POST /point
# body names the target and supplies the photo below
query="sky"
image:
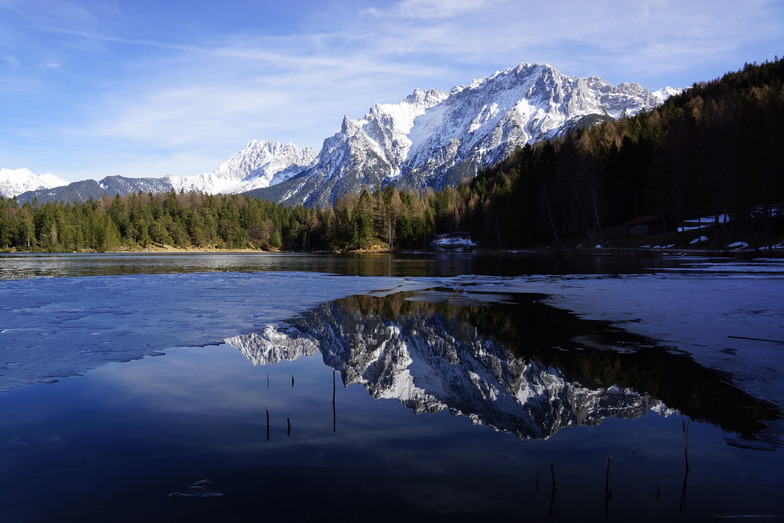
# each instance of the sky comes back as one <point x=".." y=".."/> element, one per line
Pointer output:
<point x="92" y="88"/>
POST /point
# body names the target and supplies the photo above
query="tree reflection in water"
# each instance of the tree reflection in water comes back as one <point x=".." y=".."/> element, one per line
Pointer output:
<point x="507" y="361"/>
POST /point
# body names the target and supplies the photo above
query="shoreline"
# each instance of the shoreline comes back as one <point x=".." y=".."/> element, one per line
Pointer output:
<point x="562" y="252"/>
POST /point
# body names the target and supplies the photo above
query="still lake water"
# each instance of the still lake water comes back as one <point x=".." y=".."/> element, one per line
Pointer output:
<point x="407" y="388"/>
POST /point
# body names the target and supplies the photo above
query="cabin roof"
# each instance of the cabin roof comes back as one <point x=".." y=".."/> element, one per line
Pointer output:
<point x="642" y="220"/>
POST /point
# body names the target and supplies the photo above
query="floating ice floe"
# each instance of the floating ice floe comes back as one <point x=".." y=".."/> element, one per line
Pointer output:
<point x="738" y="245"/>
<point x="199" y="489"/>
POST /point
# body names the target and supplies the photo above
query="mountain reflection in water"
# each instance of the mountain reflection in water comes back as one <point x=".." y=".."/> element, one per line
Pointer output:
<point x="506" y="361"/>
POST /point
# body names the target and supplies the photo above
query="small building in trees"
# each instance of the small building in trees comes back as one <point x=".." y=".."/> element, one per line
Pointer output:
<point x="646" y="225"/>
<point x="454" y="242"/>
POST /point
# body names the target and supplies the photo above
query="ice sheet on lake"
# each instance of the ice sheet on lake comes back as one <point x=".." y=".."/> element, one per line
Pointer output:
<point x="54" y="327"/>
<point x="65" y="326"/>
<point x="729" y="321"/>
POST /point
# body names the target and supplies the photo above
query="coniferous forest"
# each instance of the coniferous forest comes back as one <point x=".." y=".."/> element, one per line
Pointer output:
<point x="716" y="149"/>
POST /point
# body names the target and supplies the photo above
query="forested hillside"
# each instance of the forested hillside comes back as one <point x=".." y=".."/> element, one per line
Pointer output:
<point x="716" y="149"/>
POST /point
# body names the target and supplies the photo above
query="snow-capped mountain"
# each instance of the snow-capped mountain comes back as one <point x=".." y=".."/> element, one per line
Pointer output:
<point x="17" y="181"/>
<point x="435" y="139"/>
<point x="259" y="164"/>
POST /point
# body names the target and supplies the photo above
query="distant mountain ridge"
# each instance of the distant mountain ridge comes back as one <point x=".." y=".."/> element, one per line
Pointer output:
<point x="258" y="164"/>
<point x="429" y="139"/>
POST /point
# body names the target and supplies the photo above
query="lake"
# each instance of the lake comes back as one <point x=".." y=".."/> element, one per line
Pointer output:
<point x="241" y="387"/>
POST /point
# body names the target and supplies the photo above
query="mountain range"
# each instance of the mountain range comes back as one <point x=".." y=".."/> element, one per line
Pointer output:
<point x="429" y="139"/>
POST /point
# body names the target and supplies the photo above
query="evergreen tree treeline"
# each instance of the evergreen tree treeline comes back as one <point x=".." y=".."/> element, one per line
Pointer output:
<point x="195" y="220"/>
<point x="191" y="220"/>
<point x="717" y="148"/>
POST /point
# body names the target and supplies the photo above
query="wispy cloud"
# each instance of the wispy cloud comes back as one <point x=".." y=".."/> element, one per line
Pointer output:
<point x="182" y="95"/>
<point x="435" y="9"/>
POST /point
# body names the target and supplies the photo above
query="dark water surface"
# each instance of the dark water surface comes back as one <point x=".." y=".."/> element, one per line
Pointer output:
<point x="409" y="265"/>
<point x="416" y="405"/>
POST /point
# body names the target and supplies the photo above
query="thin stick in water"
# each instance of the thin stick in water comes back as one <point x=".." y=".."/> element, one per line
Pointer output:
<point x="267" y="411"/>
<point x="537" y="480"/>
<point x="686" y="443"/>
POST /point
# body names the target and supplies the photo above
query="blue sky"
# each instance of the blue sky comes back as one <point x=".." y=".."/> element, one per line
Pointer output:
<point x="147" y="88"/>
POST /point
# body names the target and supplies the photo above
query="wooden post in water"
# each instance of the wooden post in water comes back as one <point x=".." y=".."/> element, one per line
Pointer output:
<point x="552" y="476"/>
<point x="288" y="423"/>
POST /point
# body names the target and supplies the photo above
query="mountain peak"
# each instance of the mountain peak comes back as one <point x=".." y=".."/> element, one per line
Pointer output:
<point x="259" y="164"/>
<point x="17" y="181"/>
<point x="267" y="155"/>
<point x="426" y="98"/>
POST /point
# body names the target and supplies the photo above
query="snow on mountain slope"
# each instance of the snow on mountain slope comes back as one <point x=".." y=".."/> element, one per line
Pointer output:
<point x="364" y="152"/>
<point x="261" y="163"/>
<point x="435" y="139"/>
<point x="666" y="92"/>
<point x="16" y="181"/>
<point x="481" y="123"/>
<point x="258" y="164"/>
